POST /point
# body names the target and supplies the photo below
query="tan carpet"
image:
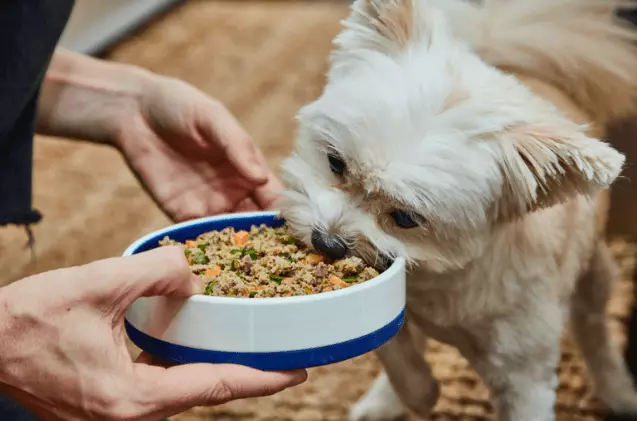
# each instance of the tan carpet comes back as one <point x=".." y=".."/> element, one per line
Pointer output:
<point x="263" y="59"/>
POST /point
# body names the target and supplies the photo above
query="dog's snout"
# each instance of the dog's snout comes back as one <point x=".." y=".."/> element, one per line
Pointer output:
<point x="332" y="247"/>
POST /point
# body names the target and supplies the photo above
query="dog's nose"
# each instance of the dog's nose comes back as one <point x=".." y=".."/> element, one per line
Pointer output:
<point x="333" y="248"/>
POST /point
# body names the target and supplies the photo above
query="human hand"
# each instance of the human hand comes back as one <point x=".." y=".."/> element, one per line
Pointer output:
<point x="191" y="153"/>
<point x="185" y="147"/>
<point x="64" y="355"/>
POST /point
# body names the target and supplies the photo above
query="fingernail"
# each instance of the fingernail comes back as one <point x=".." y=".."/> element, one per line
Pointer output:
<point x="300" y="377"/>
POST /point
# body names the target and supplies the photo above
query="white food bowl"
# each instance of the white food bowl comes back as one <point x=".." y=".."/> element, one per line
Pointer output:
<point x="265" y="333"/>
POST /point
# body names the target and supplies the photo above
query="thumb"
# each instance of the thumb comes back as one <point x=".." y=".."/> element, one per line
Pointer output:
<point x="208" y="384"/>
<point x="163" y="271"/>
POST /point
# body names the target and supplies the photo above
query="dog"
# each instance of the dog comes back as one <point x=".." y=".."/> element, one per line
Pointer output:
<point x="467" y="138"/>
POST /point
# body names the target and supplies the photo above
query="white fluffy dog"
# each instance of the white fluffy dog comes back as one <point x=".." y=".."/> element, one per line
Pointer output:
<point x="464" y="136"/>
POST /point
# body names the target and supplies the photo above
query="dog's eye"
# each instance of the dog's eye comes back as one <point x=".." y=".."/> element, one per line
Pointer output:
<point x="404" y="219"/>
<point x="337" y="165"/>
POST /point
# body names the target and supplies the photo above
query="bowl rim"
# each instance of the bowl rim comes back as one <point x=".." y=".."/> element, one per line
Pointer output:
<point x="397" y="266"/>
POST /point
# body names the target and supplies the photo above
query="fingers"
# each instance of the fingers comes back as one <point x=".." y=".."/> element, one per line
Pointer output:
<point x="246" y="205"/>
<point x="266" y="196"/>
<point x="162" y="271"/>
<point x="221" y="127"/>
<point x="207" y="384"/>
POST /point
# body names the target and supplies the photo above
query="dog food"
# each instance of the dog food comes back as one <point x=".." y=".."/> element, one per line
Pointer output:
<point x="267" y="262"/>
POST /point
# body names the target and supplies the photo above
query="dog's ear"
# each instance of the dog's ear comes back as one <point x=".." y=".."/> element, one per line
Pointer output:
<point x="391" y="26"/>
<point x="392" y="19"/>
<point x="545" y="166"/>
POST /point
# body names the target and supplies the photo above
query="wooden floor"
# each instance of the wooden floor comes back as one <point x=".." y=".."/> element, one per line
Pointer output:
<point x="264" y="59"/>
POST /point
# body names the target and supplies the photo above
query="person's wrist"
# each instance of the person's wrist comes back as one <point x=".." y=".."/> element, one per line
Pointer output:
<point x="5" y="313"/>
<point x="120" y="88"/>
<point x="138" y="82"/>
<point x="6" y="335"/>
<point x="90" y="99"/>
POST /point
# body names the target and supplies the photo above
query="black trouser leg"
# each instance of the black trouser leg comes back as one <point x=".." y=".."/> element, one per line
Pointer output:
<point x="10" y="410"/>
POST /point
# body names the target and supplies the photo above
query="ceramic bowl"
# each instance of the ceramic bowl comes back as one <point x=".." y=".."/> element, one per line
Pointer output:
<point x="265" y="333"/>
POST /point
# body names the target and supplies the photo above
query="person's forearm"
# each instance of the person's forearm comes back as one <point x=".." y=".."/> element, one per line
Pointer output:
<point x="86" y="98"/>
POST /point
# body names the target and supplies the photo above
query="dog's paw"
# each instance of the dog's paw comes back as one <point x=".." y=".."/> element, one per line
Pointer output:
<point x="371" y="409"/>
<point x="380" y="403"/>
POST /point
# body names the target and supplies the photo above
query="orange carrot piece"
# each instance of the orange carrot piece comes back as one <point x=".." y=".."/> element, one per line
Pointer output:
<point x="241" y="237"/>
<point x="191" y="244"/>
<point x="314" y="258"/>
<point x="215" y="271"/>
<point x="335" y="280"/>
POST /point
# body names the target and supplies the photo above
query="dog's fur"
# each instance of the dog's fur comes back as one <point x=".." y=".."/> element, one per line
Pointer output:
<point x="481" y="119"/>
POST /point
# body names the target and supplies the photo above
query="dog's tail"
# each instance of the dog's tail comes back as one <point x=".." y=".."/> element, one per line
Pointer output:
<point x="579" y="46"/>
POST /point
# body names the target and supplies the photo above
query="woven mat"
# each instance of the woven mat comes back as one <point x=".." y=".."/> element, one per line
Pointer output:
<point x="264" y="59"/>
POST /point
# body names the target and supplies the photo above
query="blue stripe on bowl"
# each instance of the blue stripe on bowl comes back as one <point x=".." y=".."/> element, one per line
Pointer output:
<point x="269" y="361"/>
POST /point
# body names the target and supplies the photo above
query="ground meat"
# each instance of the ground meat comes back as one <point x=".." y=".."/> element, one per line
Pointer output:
<point x="351" y="266"/>
<point x="246" y="265"/>
<point x="321" y="270"/>
<point x="266" y="262"/>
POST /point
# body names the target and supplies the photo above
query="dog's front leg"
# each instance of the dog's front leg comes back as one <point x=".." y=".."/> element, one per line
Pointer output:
<point x="406" y="383"/>
<point x="519" y="365"/>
